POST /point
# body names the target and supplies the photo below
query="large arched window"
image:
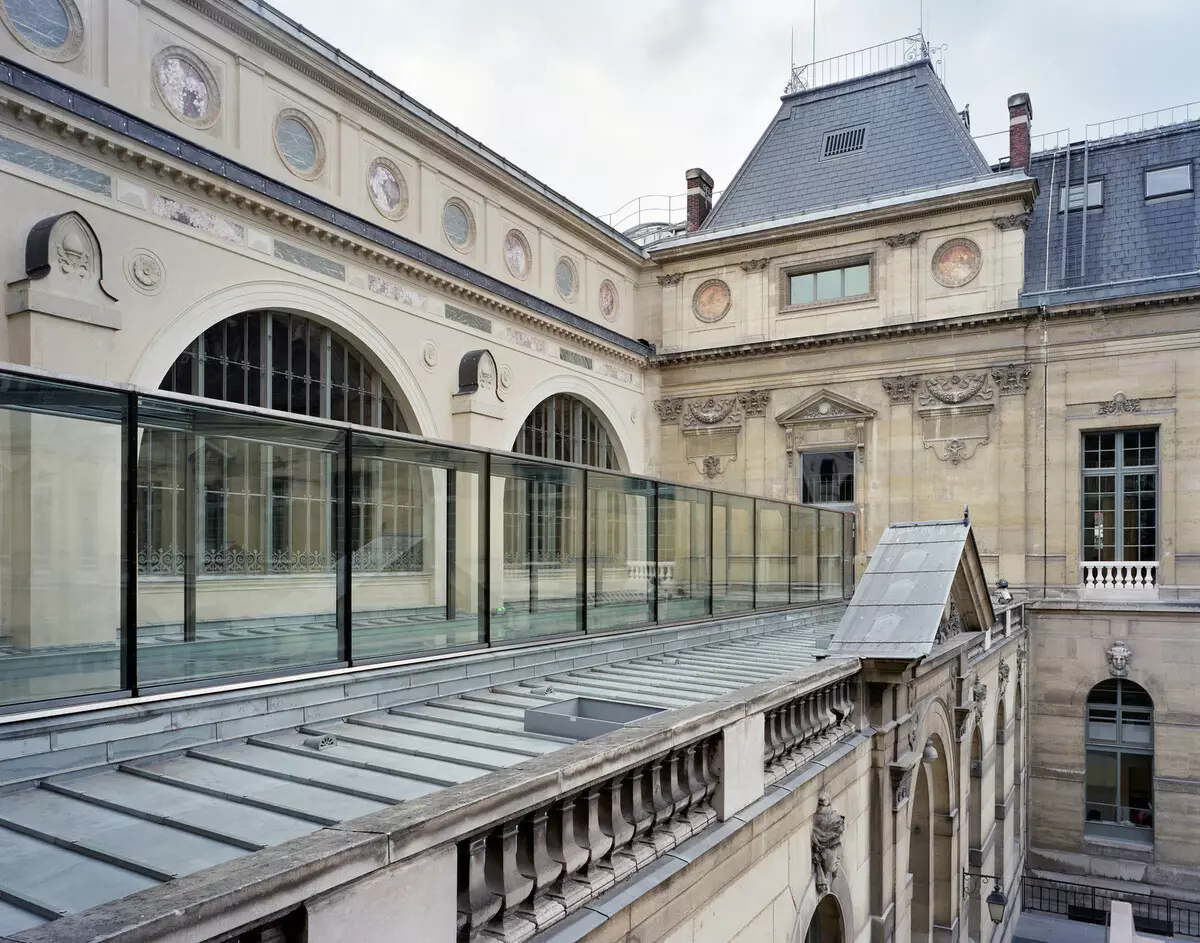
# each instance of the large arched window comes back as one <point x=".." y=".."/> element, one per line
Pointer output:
<point x="1119" y="782"/>
<point x="542" y="518"/>
<point x="248" y="507"/>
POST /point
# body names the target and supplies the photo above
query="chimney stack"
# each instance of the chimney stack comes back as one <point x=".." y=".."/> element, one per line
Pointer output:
<point x="1020" y="116"/>
<point x="699" y="198"/>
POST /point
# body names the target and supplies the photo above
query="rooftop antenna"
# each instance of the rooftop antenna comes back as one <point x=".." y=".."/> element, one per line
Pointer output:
<point x="814" y="56"/>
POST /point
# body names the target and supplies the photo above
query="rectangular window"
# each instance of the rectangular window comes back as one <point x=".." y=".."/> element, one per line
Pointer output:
<point x="1120" y="496"/>
<point x="1167" y="181"/>
<point x="833" y="284"/>
<point x="827" y="478"/>
<point x="1095" y="196"/>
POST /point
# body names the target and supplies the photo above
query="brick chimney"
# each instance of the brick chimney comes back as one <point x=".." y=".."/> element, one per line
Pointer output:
<point x="1020" y="116"/>
<point x="699" y="198"/>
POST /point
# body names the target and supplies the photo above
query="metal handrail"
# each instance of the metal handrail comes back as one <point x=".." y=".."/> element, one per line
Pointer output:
<point x="1086" y="903"/>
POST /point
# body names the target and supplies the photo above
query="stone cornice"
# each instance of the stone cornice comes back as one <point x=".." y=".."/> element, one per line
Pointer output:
<point x="248" y="26"/>
<point x="89" y="139"/>
<point x="918" y="211"/>
<point x="889" y="332"/>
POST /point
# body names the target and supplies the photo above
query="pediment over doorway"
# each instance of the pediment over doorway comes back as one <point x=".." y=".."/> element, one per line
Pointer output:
<point x="925" y="584"/>
<point x="823" y="406"/>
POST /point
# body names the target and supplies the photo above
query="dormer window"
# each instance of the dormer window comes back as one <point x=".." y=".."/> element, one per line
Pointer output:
<point x="846" y="141"/>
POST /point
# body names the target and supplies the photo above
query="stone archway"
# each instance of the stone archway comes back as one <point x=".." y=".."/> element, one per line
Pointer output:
<point x="920" y="861"/>
<point x="975" y="829"/>
<point x="827" y="924"/>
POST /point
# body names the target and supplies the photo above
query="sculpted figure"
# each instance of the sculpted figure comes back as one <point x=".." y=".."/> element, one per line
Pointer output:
<point x="827" y="829"/>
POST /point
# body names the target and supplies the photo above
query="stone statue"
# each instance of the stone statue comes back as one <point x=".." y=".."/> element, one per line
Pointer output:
<point x="827" y="829"/>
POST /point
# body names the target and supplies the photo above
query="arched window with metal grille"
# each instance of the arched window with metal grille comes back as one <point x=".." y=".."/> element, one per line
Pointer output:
<point x="252" y="507"/>
<point x="1119" y="781"/>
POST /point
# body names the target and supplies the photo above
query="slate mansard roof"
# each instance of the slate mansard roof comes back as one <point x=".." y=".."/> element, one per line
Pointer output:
<point x="913" y="139"/>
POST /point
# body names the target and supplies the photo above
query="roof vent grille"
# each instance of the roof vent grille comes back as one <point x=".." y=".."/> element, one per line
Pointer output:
<point x="838" y="143"/>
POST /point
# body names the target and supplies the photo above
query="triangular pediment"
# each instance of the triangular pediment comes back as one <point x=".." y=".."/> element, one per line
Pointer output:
<point x="823" y="406"/>
<point x="925" y="584"/>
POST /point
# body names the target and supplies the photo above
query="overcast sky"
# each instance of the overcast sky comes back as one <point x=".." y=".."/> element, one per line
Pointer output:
<point x="606" y="101"/>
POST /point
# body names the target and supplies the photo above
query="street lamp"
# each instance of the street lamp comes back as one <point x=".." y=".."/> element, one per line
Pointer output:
<point x="996" y="901"/>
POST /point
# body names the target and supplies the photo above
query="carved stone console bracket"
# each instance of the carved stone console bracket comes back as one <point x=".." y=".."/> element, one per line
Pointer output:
<point x="900" y="389"/>
<point x="755" y="265"/>
<point x="901" y="239"/>
<point x="674" y="278"/>
<point x="1012" y="379"/>
<point x="1015" y="221"/>
<point x="902" y="776"/>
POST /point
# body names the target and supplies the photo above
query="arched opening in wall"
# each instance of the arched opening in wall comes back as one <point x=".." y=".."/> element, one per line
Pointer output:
<point x="1119" y="777"/>
<point x="230" y="506"/>
<point x="945" y="902"/>
<point x="975" y="830"/>
<point x="1018" y="816"/>
<point x="920" y="853"/>
<point x="826" y="923"/>
<point x="562" y="567"/>
<point x="1001" y="798"/>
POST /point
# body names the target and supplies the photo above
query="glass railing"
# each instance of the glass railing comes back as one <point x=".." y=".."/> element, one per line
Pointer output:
<point x="152" y="542"/>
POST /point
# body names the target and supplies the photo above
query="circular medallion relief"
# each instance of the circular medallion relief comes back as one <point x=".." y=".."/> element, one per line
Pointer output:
<point x="299" y="143"/>
<point x="388" y="190"/>
<point x="516" y="253"/>
<point x="458" y="223"/>
<point x="145" y="271"/>
<point x="187" y="87"/>
<point x="566" y="280"/>
<point x="712" y="300"/>
<point x="506" y="377"/>
<point x="429" y="354"/>
<point x="956" y="262"/>
<point x="51" y="28"/>
<point x="608" y="299"/>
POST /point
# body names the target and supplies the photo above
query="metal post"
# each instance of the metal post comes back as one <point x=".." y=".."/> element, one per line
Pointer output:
<point x="583" y="558"/>
<point x="1066" y="212"/>
<point x="345" y="573"/>
<point x="129" y="546"/>
<point x="193" y="529"/>
<point x="712" y="549"/>
<point x="1049" y="221"/>
<point x="754" y="553"/>
<point x="655" y="517"/>
<point x="817" y="567"/>
<point x="1083" y="235"/>
<point x="451" y="541"/>
<point x="485" y="542"/>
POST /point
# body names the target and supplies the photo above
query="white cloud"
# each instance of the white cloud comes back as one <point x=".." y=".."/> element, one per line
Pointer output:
<point x="604" y="102"/>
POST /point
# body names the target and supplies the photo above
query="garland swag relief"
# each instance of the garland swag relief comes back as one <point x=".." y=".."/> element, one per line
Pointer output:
<point x="710" y="425"/>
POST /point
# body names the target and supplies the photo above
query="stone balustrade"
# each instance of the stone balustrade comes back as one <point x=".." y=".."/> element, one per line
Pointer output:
<point x="646" y="569"/>
<point x="1138" y="577"/>
<point x="797" y="731"/>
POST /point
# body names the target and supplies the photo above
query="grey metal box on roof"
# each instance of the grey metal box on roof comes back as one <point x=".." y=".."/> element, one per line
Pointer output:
<point x="581" y="718"/>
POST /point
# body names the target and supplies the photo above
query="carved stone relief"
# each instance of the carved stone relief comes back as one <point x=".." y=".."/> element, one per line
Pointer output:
<point x="1015" y="221"/>
<point x="755" y="265"/>
<point x="1003" y="672"/>
<point x="1119" y="655"/>
<point x="901" y="239"/>
<point x="951" y="624"/>
<point x="954" y="389"/>
<point x="956" y="415"/>
<point x="1012" y="379"/>
<point x="714" y="410"/>
<point x="754" y="402"/>
<point x="1120" y="403"/>
<point x="64" y="271"/>
<point x="900" y="389"/>
<point x="828" y="827"/>
<point x="478" y="376"/>
<point x="669" y="411"/>
<point x="145" y="271"/>
<point x="674" y="278"/>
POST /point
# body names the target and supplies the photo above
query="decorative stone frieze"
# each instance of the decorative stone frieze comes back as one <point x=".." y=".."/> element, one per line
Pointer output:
<point x="1118" y="656"/>
<point x="955" y="389"/>
<point x="900" y="389"/>
<point x="1012" y="379"/>
<point x="1120" y="403"/>
<point x="713" y="411"/>
<point x="1015" y="221"/>
<point x="901" y="239"/>
<point x="828" y="827"/>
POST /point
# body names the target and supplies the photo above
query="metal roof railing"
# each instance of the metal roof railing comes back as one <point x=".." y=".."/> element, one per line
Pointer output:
<point x="1147" y="121"/>
<point x="651" y="218"/>
<point x="860" y="62"/>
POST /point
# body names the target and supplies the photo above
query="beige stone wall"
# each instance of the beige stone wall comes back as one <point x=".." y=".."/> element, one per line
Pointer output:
<point x="1069" y="657"/>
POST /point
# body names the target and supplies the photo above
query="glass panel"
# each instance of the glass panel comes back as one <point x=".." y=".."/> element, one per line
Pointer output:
<point x="1139" y="533"/>
<point x="772" y="559"/>
<point x="60" y="540"/>
<point x="1102" y="724"/>
<point x="848" y="553"/>
<point x="858" y="280"/>
<point x="537" y="567"/>
<point x="1100" y="450"/>
<point x="620" y="569"/>
<point x="415" y="534"/>
<point x="802" y="289"/>
<point x="831" y="555"/>
<point x="1137" y="789"/>
<point x="237" y="544"/>
<point x="1169" y="180"/>
<point x="683" y="553"/>
<point x="1099" y="517"/>
<point x="827" y="478"/>
<point x="1100" y="787"/>
<point x="829" y="285"/>
<point x="733" y="553"/>
<point x="804" y="554"/>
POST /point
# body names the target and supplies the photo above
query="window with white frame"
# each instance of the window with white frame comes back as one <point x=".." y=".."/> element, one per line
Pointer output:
<point x="1168" y="181"/>
<point x="828" y="285"/>
<point x="1074" y="201"/>
<point x="1120" y="496"/>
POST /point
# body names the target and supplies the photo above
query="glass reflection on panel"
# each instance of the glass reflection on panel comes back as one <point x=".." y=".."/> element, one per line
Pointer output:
<point x="537" y="565"/>
<point x="621" y="572"/>
<point x="238" y="540"/>
<point x="733" y="553"/>
<point x="804" y="554"/>
<point x="416" y="547"/>
<point x="683" y="553"/>
<point x="772" y="558"/>
<point x="830" y="563"/>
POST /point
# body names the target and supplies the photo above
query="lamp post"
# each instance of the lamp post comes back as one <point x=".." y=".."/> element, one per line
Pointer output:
<point x="996" y="900"/>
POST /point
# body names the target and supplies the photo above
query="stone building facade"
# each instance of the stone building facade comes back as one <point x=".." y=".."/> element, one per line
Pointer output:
<point x="203" y="198"/>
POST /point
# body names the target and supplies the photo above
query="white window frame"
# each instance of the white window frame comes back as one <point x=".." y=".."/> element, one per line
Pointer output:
<point x="1095" y="196"/>
<point x="1150" y="174"/>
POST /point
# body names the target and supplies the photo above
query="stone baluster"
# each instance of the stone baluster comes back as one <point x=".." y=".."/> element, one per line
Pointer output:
<point x="637" y="805"/>
<point x="504" y="875"/>
<point x="477" y="904"/>
<point x="617" y="823"/>
<point x="595" y="840"/>
<point x="534" y="861"/>
<point x="566" y="847"/>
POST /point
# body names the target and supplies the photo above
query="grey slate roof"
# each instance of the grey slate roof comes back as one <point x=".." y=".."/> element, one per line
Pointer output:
<point x="77" y="840"/>
<point x="900" y="601"/>
<point x="914" y="140"/>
